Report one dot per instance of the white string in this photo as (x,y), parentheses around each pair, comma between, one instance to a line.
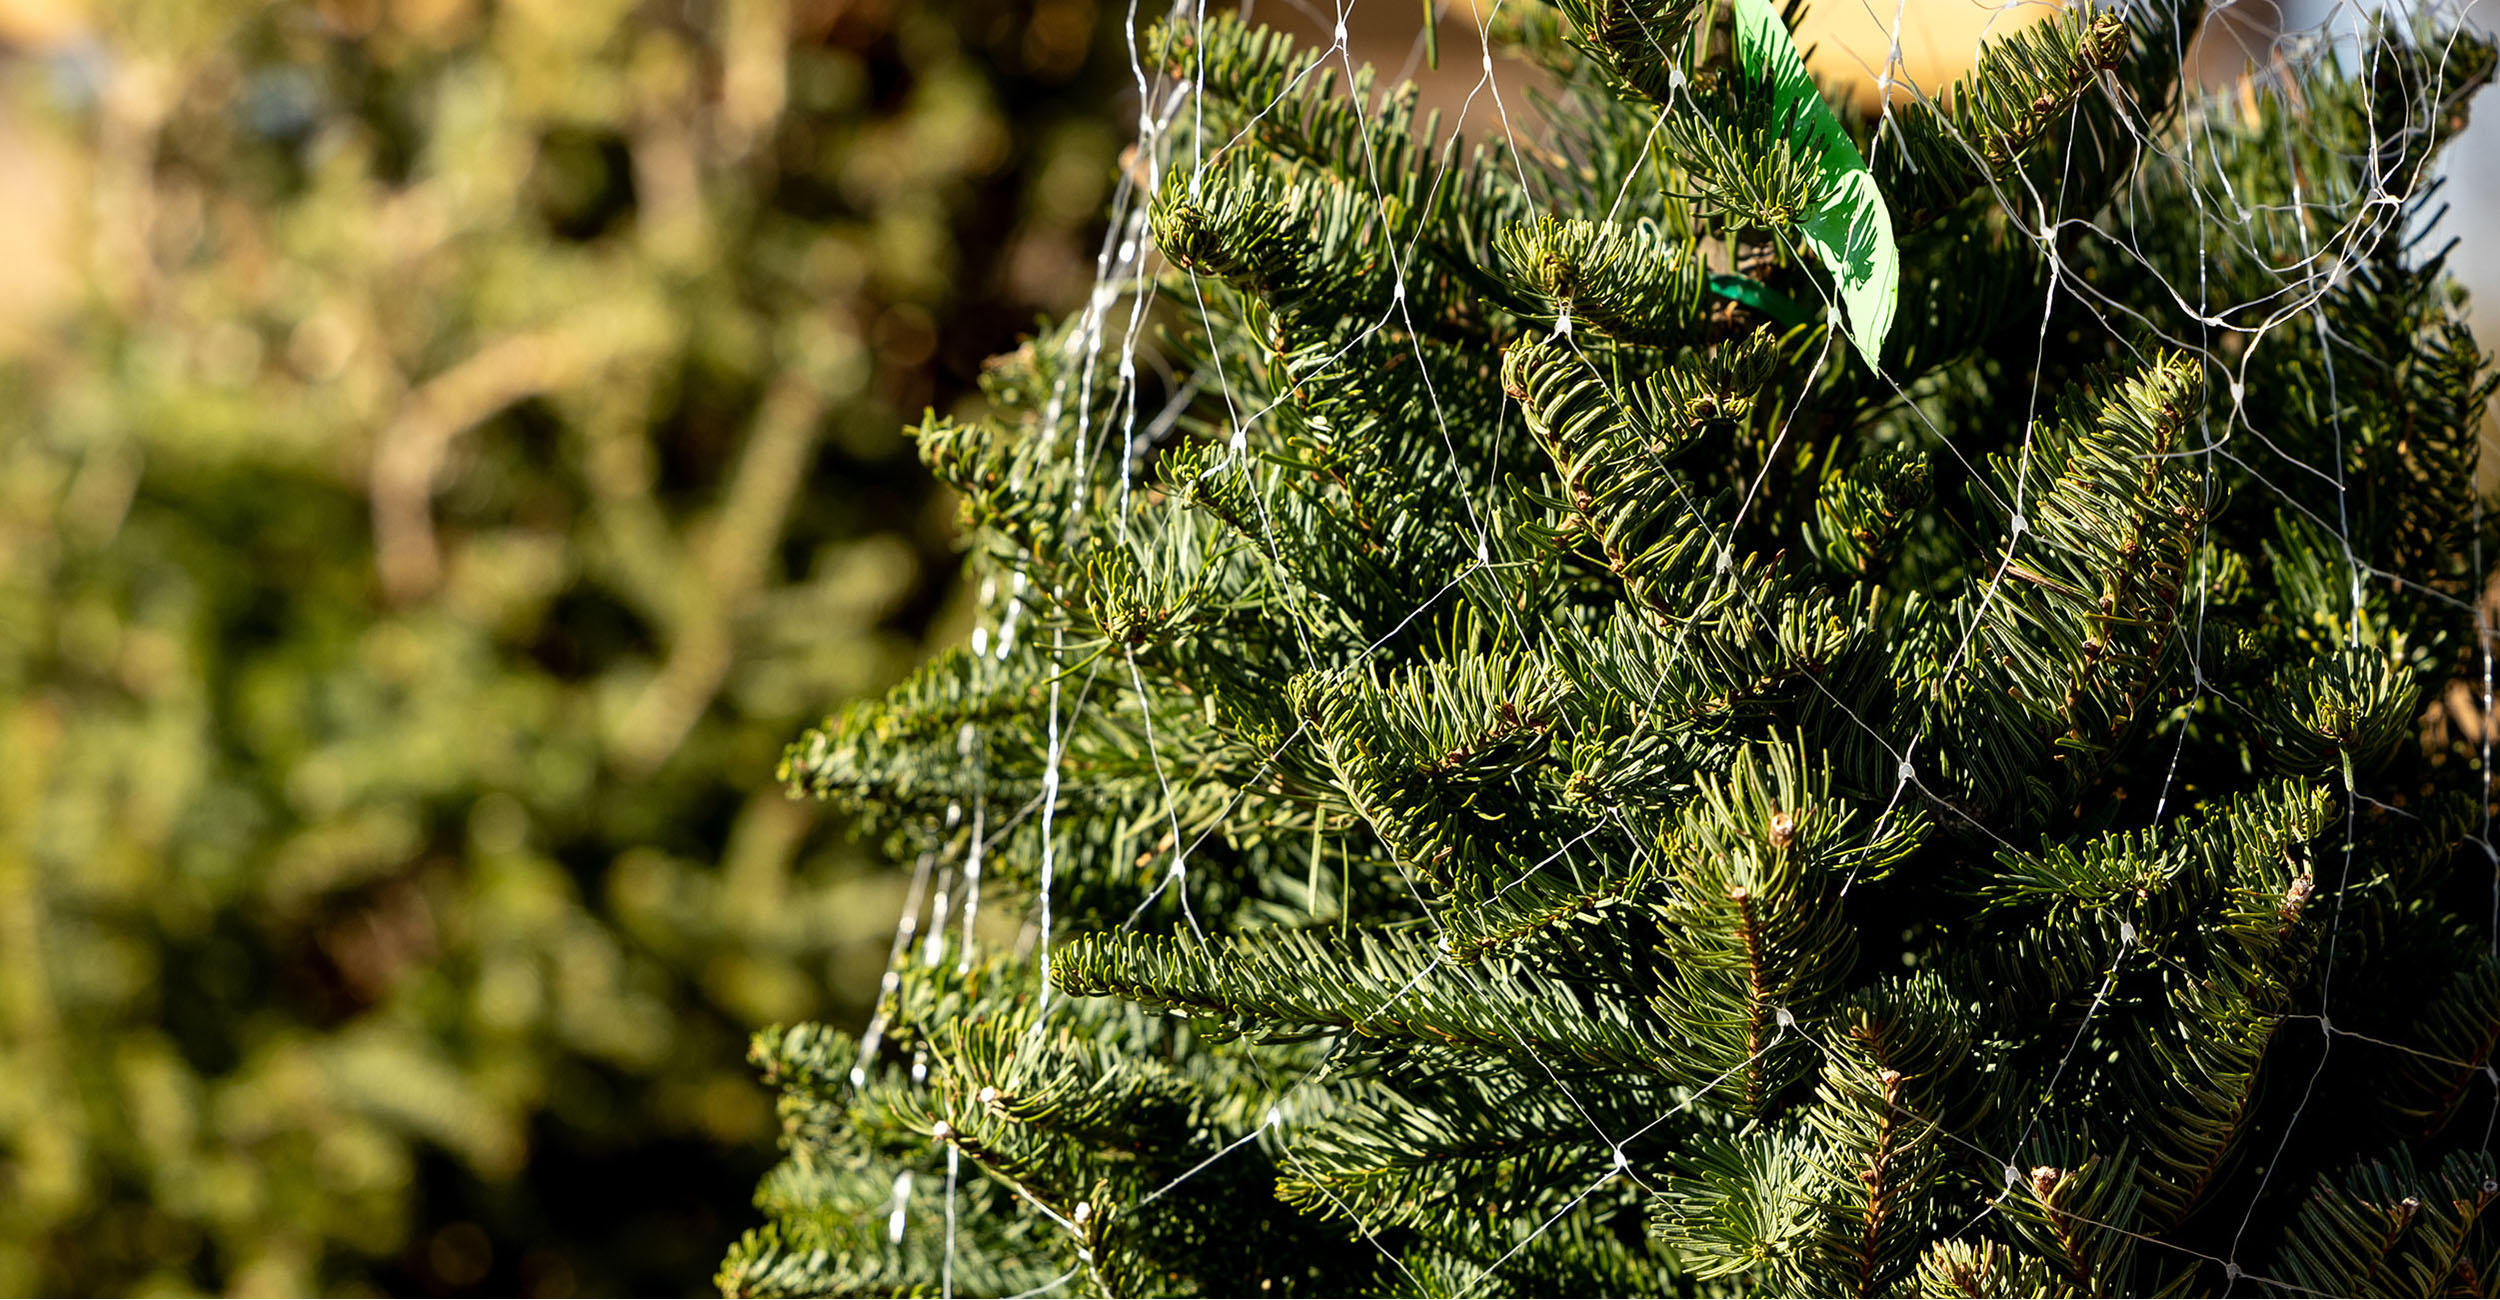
(946,1275)
(2304,285)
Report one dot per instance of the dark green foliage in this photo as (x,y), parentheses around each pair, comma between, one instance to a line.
(1547,778)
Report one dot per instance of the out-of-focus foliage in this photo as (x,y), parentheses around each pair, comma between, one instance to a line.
(459,452)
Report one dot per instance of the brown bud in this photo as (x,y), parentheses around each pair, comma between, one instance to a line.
(1783,829)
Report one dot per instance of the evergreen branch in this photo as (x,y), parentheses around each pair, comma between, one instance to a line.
(2457,1029)
(2078,631)
(2239,846)
(1531,908)
(1314,248)
(2346,710)
(1863,511)
(1750,629)
(2199,1088)
(1443,762)
(1739,155)
(1260,87)
(1378,989)
(2392,1230)
(1753,925)
(1983,125)
(1894,1082)
(906,752)
(763,1264)
(1636,45)
(1626,282)
(1429,1140)
(2071,1217)
(1743,1207)
(1979,1270)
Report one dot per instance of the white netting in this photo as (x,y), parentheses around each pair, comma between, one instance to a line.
(1110,346)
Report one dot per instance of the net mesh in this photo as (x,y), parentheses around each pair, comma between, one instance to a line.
(1120,395)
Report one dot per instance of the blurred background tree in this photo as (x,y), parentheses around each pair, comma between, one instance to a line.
(447,447)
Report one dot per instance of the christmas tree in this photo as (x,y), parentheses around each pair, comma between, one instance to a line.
(1731,693)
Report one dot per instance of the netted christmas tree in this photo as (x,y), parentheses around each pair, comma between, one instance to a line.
(1699,688)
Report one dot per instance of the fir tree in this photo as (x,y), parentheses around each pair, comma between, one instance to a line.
(1549,748)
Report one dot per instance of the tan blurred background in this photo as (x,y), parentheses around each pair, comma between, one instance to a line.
(446,448)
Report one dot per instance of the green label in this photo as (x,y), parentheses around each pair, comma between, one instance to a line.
(1849,228)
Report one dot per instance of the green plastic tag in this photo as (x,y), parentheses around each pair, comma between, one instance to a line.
(1850,229)
(1761,297)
